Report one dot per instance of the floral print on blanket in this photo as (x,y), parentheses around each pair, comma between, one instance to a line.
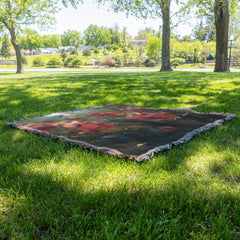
(123,130)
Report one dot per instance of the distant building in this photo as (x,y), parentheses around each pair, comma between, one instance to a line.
(102,47)
(33,52)
(67,48)
(137,43)
(82,48)
(48,50)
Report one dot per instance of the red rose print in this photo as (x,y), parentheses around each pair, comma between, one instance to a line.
(43,127)
(89,126)
(152,116)
(169,129)
(103,114)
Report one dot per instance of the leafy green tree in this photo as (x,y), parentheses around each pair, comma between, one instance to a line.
(86,52)
(96,50)
(63,54)
(154,48)
(5,49)
(74,51)
(46,41)
(72,38)
(144,34)
(32,40)
(124,35)
(205,33)
(50,41)
(97,36)
(144,9)
(23,42)
(74,3)
(220,10)
(115,35)
(16,15)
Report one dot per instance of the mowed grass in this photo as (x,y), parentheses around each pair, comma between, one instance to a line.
(52,190)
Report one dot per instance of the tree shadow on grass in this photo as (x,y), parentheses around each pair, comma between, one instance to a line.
(110,198)
(43,205)
(70,91)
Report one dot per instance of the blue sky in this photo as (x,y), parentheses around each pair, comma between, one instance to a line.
(89,13)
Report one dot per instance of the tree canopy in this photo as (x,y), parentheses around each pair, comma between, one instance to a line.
(22,13)
(71,38)
(220,10)
(17,15)
(97,36)
(145,9)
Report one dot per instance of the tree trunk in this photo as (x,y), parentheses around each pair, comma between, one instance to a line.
(17,48)
(165,8)
(221,12)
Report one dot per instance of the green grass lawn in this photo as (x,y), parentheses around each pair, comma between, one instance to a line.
(52,190)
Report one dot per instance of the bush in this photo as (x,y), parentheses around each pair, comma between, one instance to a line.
(131,46)
(150,62)
(211,57)
(195,56)
(203,59)
(73,61)
(109,48)
(130,63)
(180,54)
(74,51)
(76,62)
(38,62)
(54,62)
(119,60)
(109,61)
(105,52)
(115,46)
(96,50)
(63,54)
(97,62)
(138,62)
(126,59)
(86,52)
(68,60)
(178,60)
(125,50)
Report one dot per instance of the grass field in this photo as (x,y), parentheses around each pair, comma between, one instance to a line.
(52,190)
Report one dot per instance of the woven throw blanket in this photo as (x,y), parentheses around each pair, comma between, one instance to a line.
(123,130)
